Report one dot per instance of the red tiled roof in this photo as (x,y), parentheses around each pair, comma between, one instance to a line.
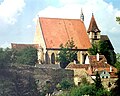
(77,66)
(100,63)
(95,65)
(21,46)
(93,25)
(58,31)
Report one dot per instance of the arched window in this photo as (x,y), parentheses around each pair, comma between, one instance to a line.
(53,58)
(47,59)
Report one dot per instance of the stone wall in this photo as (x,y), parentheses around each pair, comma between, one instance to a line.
(53,75)
(41,75)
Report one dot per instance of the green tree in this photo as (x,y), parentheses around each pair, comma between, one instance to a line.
(67,54)
(118,19)
(98,83)
(26,56)
(95,89)
(66,84)
(93,50)
(82,90)
(5,56)
(105,48)
(117,64)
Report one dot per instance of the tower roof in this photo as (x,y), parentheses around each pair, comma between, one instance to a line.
(93,25)
(82,16)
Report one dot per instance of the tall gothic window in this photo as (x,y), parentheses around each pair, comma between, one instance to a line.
(53,58)
(47,59)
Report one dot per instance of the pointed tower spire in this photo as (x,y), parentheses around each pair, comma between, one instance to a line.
(82,15)
(93,25)
(93,30)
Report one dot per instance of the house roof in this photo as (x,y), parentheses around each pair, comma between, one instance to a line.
(77,66)
(22,46)
(101,63)
(104,37)
(93,25)
(95,65)
(58,31)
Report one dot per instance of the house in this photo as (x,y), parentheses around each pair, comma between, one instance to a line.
(80,71)
(104,74)
(93,64)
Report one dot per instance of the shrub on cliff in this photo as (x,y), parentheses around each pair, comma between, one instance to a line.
(26,56)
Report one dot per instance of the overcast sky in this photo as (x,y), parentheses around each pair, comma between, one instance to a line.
(17,17)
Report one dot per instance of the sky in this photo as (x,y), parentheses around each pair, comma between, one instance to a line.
(18,17)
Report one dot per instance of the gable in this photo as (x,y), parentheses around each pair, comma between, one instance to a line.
(104,73)
(59,31)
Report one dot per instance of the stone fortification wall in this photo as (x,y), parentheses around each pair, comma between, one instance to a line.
(41,75)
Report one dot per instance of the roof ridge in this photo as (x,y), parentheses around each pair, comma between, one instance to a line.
(60,18)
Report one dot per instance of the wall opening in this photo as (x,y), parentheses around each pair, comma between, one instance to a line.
(47,59)
(53,58)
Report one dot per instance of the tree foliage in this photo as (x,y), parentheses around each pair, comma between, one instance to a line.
(82,90)
(26,56)
(93,50)
(105,48)
(66,84)
(87,90)
(117,64)
(67,54)
(98,83)
(118,19)
(5,56)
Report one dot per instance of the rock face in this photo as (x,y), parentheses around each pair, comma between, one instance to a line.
(53,75)
(22,80)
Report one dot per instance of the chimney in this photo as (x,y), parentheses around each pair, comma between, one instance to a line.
(74,61)
(97,56)
(87,60)
(110,68)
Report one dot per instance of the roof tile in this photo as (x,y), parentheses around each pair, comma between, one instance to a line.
(58,31)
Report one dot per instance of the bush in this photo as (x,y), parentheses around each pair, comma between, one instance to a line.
(66,84)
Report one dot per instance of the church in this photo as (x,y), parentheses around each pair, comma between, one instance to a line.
(52,32)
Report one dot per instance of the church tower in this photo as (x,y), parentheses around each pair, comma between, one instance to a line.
(82,16)
(93,31)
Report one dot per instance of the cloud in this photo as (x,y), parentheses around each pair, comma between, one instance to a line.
(10,9)
(105,15)
(29,26)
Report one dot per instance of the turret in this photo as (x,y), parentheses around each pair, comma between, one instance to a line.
(93,31)
(82,16)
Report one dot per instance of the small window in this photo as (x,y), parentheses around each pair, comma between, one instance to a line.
(95,35)
(79,83)
(104,72)
(106,76)
(102,76)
